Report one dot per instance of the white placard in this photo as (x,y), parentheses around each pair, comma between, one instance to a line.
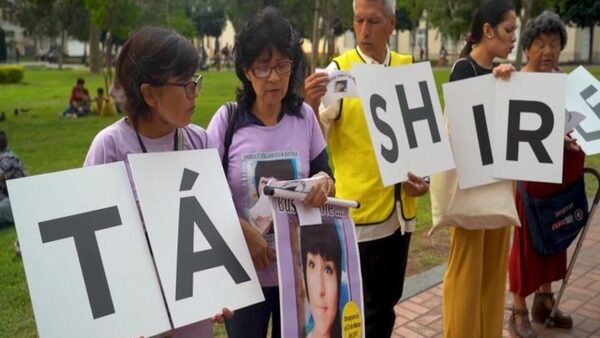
(186,201)
(66,301)
(410,139)
(470,105)
(583,96)
(525,109)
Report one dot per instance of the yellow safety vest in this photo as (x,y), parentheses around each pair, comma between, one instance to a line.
(356,171)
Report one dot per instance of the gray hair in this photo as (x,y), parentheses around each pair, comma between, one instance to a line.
(545,23)
(388,5)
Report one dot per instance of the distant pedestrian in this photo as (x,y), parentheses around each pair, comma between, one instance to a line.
(442,57)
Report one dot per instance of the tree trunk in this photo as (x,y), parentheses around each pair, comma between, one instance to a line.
(330,35)
(218,53)
(427,37)
(591,51)
(94,41)
(108,76)
(61,50)
(315,36)
(527,7)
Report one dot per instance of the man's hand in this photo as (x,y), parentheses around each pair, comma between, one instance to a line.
(260,251)
(315,86)
(416,186)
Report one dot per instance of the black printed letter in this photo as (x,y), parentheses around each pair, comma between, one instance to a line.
(411,116)
(83,227)
(586,94)
(390,155)
(483,136)
(533,137)
(191,213)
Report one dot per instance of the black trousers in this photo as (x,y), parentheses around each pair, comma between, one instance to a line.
(383,265)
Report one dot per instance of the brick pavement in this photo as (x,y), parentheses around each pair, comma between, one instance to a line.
(421,315)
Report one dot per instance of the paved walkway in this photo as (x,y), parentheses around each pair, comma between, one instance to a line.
(421,314)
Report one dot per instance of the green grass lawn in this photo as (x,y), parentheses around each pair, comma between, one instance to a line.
(47,143)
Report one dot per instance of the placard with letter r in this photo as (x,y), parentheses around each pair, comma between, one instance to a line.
(404,118)
(529,127)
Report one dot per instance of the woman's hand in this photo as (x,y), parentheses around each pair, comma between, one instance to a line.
(317,196)
(503,71)
(260,251)
(571,143)
(416,186)
(220,317)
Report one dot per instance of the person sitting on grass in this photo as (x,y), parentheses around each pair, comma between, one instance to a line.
(79,103)
(10,167)
(101,101)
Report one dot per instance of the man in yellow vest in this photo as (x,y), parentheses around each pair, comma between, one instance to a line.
(386,217)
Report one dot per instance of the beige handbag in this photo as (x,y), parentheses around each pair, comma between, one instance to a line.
(489,206)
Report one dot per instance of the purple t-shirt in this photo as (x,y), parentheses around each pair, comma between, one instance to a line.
(258,154)
(113,143)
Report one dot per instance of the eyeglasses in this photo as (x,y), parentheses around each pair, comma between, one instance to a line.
(192,88)
(264,71)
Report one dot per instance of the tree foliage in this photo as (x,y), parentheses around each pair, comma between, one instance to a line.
(208,16)
(451,17)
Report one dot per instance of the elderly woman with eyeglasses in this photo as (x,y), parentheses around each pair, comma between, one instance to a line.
(156,69)
(543,38)
(275,137)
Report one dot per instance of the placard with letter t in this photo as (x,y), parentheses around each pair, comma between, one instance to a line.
(87,262)
(404,118)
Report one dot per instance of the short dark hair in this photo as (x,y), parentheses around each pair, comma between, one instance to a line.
(152,55)
(492,12)
(3,140)
(546,23)
(100,91)
(323,240)
(282,169)
(80,81)
(267,31)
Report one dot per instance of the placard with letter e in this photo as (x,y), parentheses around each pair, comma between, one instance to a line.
(200,251)
(88,266)
(404,117)
(583,96)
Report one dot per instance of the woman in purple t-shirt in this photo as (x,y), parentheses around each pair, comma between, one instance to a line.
(276,137)
(156,69)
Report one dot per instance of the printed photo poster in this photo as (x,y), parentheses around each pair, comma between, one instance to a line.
(341,84)
(319,273)
(259,169)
